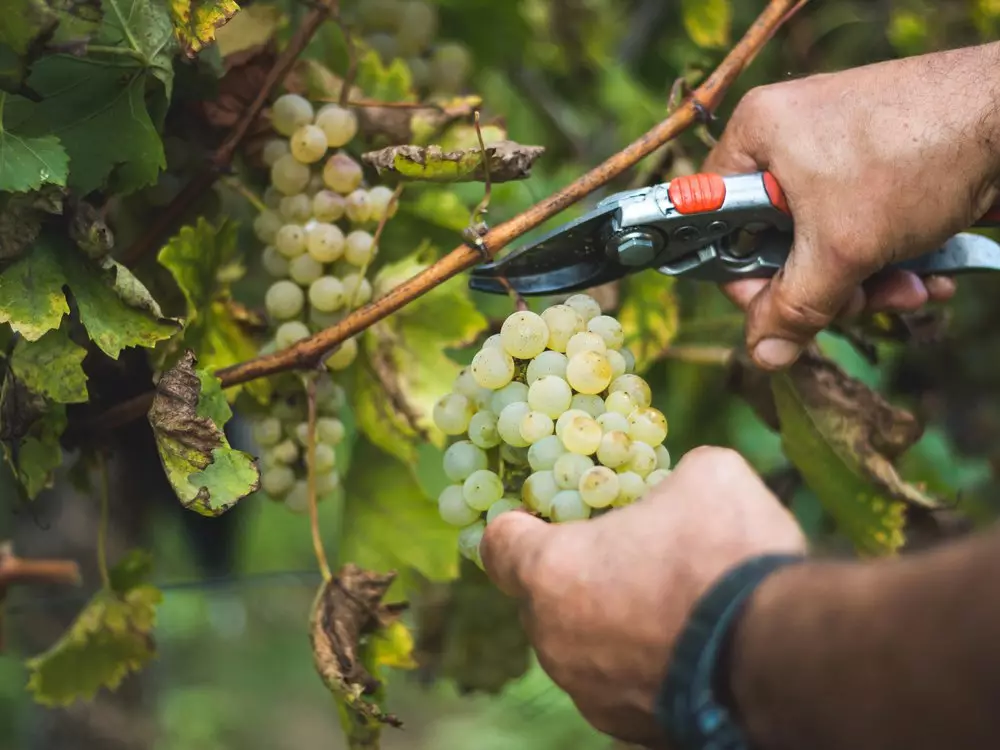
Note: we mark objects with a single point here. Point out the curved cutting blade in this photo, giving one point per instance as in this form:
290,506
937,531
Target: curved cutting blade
569,258
963,253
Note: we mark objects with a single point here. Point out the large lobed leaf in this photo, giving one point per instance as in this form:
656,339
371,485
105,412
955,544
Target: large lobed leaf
188,415
110,638
52,366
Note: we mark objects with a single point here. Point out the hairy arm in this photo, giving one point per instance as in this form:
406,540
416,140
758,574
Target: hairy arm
890,654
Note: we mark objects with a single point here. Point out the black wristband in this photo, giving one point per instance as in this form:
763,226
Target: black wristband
688,707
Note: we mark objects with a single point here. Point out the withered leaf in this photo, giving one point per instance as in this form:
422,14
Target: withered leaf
507,161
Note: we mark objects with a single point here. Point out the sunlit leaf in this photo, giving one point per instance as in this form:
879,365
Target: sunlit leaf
506,161
381,82
31,293
708,22
52,366
110,638
188,415
393,647
649,316
196,21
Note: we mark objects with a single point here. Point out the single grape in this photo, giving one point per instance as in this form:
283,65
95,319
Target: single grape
452,413
662,457
359,248
357,208
493,342
289,176
608,329
357,290
450,66
612,420
536,426
342,174
635,387
582,435
453,508
588,402
538,490
272,197
631,487
546,363
482,488
568,469
319,320
467,386
566,417
266,225
588,372
326,458
542,454
328,206
289,332
296,208
463,458
550,395
416,27
483,429
641,458
330,430
297,500
629,358
569,506
492,368
273,150
585,342
524,334
276,481
290,240
304,270
342,357
469,539
647,425
620,402
380,200
284,300
656,476
302,433
339,125
290,112
563,323
618,364
585,305
325,242
327,483
503,505
513,391
267,432
420,72
308,144
614,449
509,423
385,45
285,452
326,294
330,396
274,262
599,487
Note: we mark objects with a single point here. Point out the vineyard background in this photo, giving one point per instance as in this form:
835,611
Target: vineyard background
582,78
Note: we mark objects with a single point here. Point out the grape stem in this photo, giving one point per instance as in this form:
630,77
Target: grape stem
217,165
309,351
317,539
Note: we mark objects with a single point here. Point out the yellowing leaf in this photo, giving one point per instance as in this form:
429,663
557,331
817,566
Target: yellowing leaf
843,438
708,22
31,293
507,161
649,316
393,647
110,638
253,26
188,414
384,83
52,366
196,21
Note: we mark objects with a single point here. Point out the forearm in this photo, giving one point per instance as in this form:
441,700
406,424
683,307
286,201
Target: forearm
881,655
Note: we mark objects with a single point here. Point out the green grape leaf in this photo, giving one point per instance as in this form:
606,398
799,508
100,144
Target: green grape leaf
843,438
30,430
31,293
390,524
23,22
649,317
52,366
204,262
188,415
405,370
708,22
506,160
196,21
144,27
109,639
440,207
26,163
384,83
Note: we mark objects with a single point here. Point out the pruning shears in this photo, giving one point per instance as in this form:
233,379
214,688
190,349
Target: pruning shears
703,226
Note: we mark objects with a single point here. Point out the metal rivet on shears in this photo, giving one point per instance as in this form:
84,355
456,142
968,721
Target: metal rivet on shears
636,248
686,233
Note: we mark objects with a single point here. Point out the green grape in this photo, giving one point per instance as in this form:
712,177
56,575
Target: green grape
513,391
297,500
463,458
538,490
503,505
546,363
550,395
416,27
359,248
641,458
289,176
566,417
357,289
588,372
618,364
330,396
608,329
612,420
450,66
325,242
290,112
284,300
524,334
327,483
620,402
656,476
385,45
296,208
569,506
599,487
509,424
304,270
267,432
585,342
420,72
276,481
302,433
469,539
290,240
513,456
585,305
635,387
326,294
648,426
662,457
483,429
325,458
380,200
308,144
629,358
453,508
330,430
342,357
328,206
535,426
342,174
569,468
493,342
631,487
563,323
588,402
274,262
290,332
273,150
272,197
467,386
481,489
266,225
542,454
492,368
339,125
285,452
582,435
452,414
357,208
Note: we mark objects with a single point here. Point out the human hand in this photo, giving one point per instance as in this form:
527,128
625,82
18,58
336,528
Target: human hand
879,164
603,600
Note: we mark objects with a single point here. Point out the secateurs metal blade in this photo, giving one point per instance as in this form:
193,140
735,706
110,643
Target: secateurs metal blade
704,226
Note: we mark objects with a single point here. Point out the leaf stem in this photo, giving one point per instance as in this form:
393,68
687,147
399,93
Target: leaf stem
317,539
102,49
393,201
102,528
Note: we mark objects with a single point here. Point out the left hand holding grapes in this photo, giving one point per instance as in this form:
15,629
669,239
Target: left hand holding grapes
603,600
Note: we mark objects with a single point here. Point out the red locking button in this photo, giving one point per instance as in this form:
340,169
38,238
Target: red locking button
697,193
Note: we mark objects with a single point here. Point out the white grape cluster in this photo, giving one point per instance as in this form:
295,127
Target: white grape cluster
318,228
282,439
549,417
407,29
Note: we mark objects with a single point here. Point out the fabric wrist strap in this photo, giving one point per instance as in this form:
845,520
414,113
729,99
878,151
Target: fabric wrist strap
688,708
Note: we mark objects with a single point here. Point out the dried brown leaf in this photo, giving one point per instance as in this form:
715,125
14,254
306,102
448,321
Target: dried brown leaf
506,160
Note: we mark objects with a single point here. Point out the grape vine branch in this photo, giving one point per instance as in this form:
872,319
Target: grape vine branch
307,352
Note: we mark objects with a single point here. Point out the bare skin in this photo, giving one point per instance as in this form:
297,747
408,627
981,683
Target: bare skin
878,164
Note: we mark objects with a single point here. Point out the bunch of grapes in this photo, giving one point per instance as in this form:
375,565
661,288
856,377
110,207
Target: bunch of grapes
283,435
319,223
549,417
407,29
